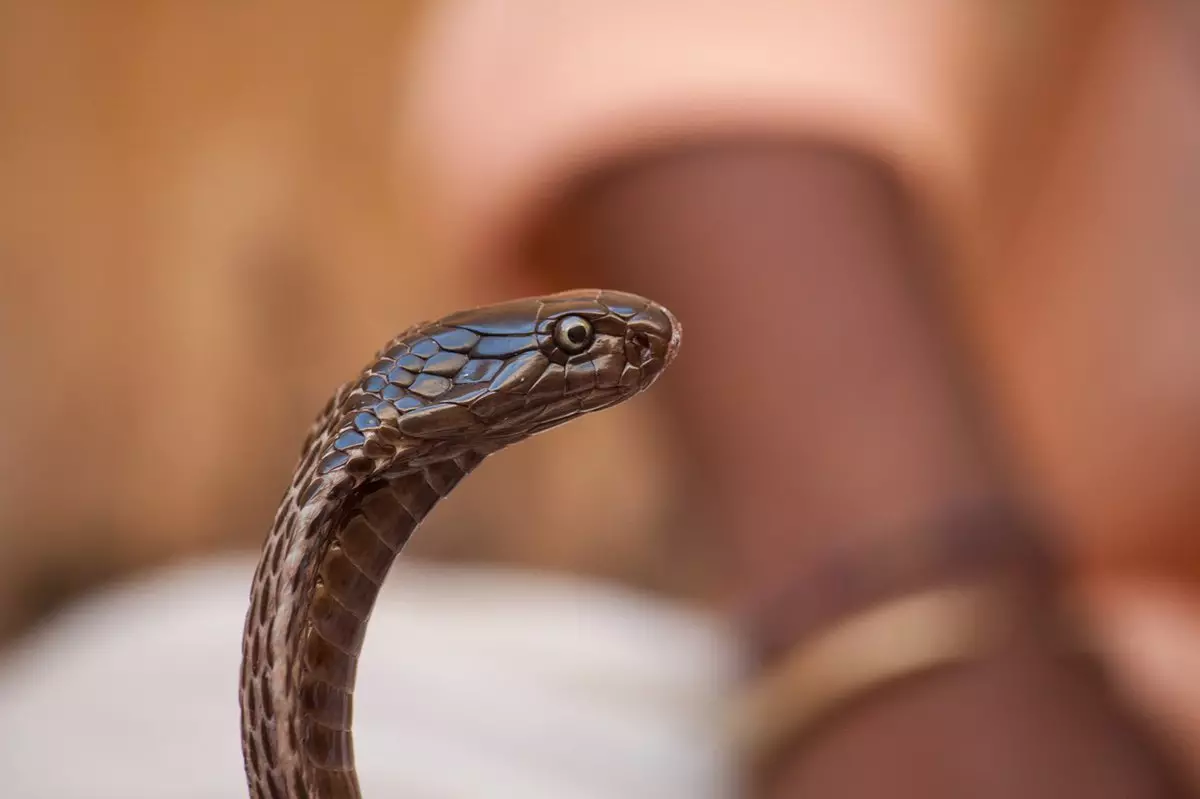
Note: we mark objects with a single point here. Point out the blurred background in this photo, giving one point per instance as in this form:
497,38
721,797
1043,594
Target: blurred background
206,224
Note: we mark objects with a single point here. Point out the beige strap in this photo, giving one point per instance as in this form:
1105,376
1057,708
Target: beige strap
889,642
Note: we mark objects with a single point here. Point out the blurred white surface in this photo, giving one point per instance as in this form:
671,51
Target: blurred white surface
473,684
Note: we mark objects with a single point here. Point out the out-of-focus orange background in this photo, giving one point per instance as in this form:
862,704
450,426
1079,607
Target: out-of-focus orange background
205,225
203,230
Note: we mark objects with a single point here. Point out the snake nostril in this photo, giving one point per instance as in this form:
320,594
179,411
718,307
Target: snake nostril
641,343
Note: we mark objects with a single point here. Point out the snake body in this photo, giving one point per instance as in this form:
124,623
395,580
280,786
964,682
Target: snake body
435,402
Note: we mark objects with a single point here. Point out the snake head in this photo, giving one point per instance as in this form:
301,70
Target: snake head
500,373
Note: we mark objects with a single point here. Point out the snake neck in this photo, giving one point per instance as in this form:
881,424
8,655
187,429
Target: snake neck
388,445
316,585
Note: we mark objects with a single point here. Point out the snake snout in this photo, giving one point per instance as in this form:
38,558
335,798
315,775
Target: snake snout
651,341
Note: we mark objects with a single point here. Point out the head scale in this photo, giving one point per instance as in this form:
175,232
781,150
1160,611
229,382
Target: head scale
498,374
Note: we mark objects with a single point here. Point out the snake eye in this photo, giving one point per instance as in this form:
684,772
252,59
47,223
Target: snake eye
573,334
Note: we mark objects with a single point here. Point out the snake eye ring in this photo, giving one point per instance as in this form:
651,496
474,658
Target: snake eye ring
573,334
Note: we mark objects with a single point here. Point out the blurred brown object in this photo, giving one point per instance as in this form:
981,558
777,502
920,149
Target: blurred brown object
1090,295
1054,146
1089,303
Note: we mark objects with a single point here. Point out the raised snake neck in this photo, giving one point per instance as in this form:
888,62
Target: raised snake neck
435,402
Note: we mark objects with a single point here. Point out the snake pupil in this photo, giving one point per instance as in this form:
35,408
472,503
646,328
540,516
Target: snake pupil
573,334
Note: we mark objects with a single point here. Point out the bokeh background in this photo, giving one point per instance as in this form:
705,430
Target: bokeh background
207,221
204,230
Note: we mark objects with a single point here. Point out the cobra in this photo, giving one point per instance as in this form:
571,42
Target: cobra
434,403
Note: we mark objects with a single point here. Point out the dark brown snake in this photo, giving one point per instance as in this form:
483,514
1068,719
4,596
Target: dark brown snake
435,402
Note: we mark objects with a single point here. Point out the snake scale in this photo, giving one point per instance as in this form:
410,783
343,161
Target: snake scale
436,401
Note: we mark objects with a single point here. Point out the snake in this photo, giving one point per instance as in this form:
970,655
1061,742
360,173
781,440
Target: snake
389,444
